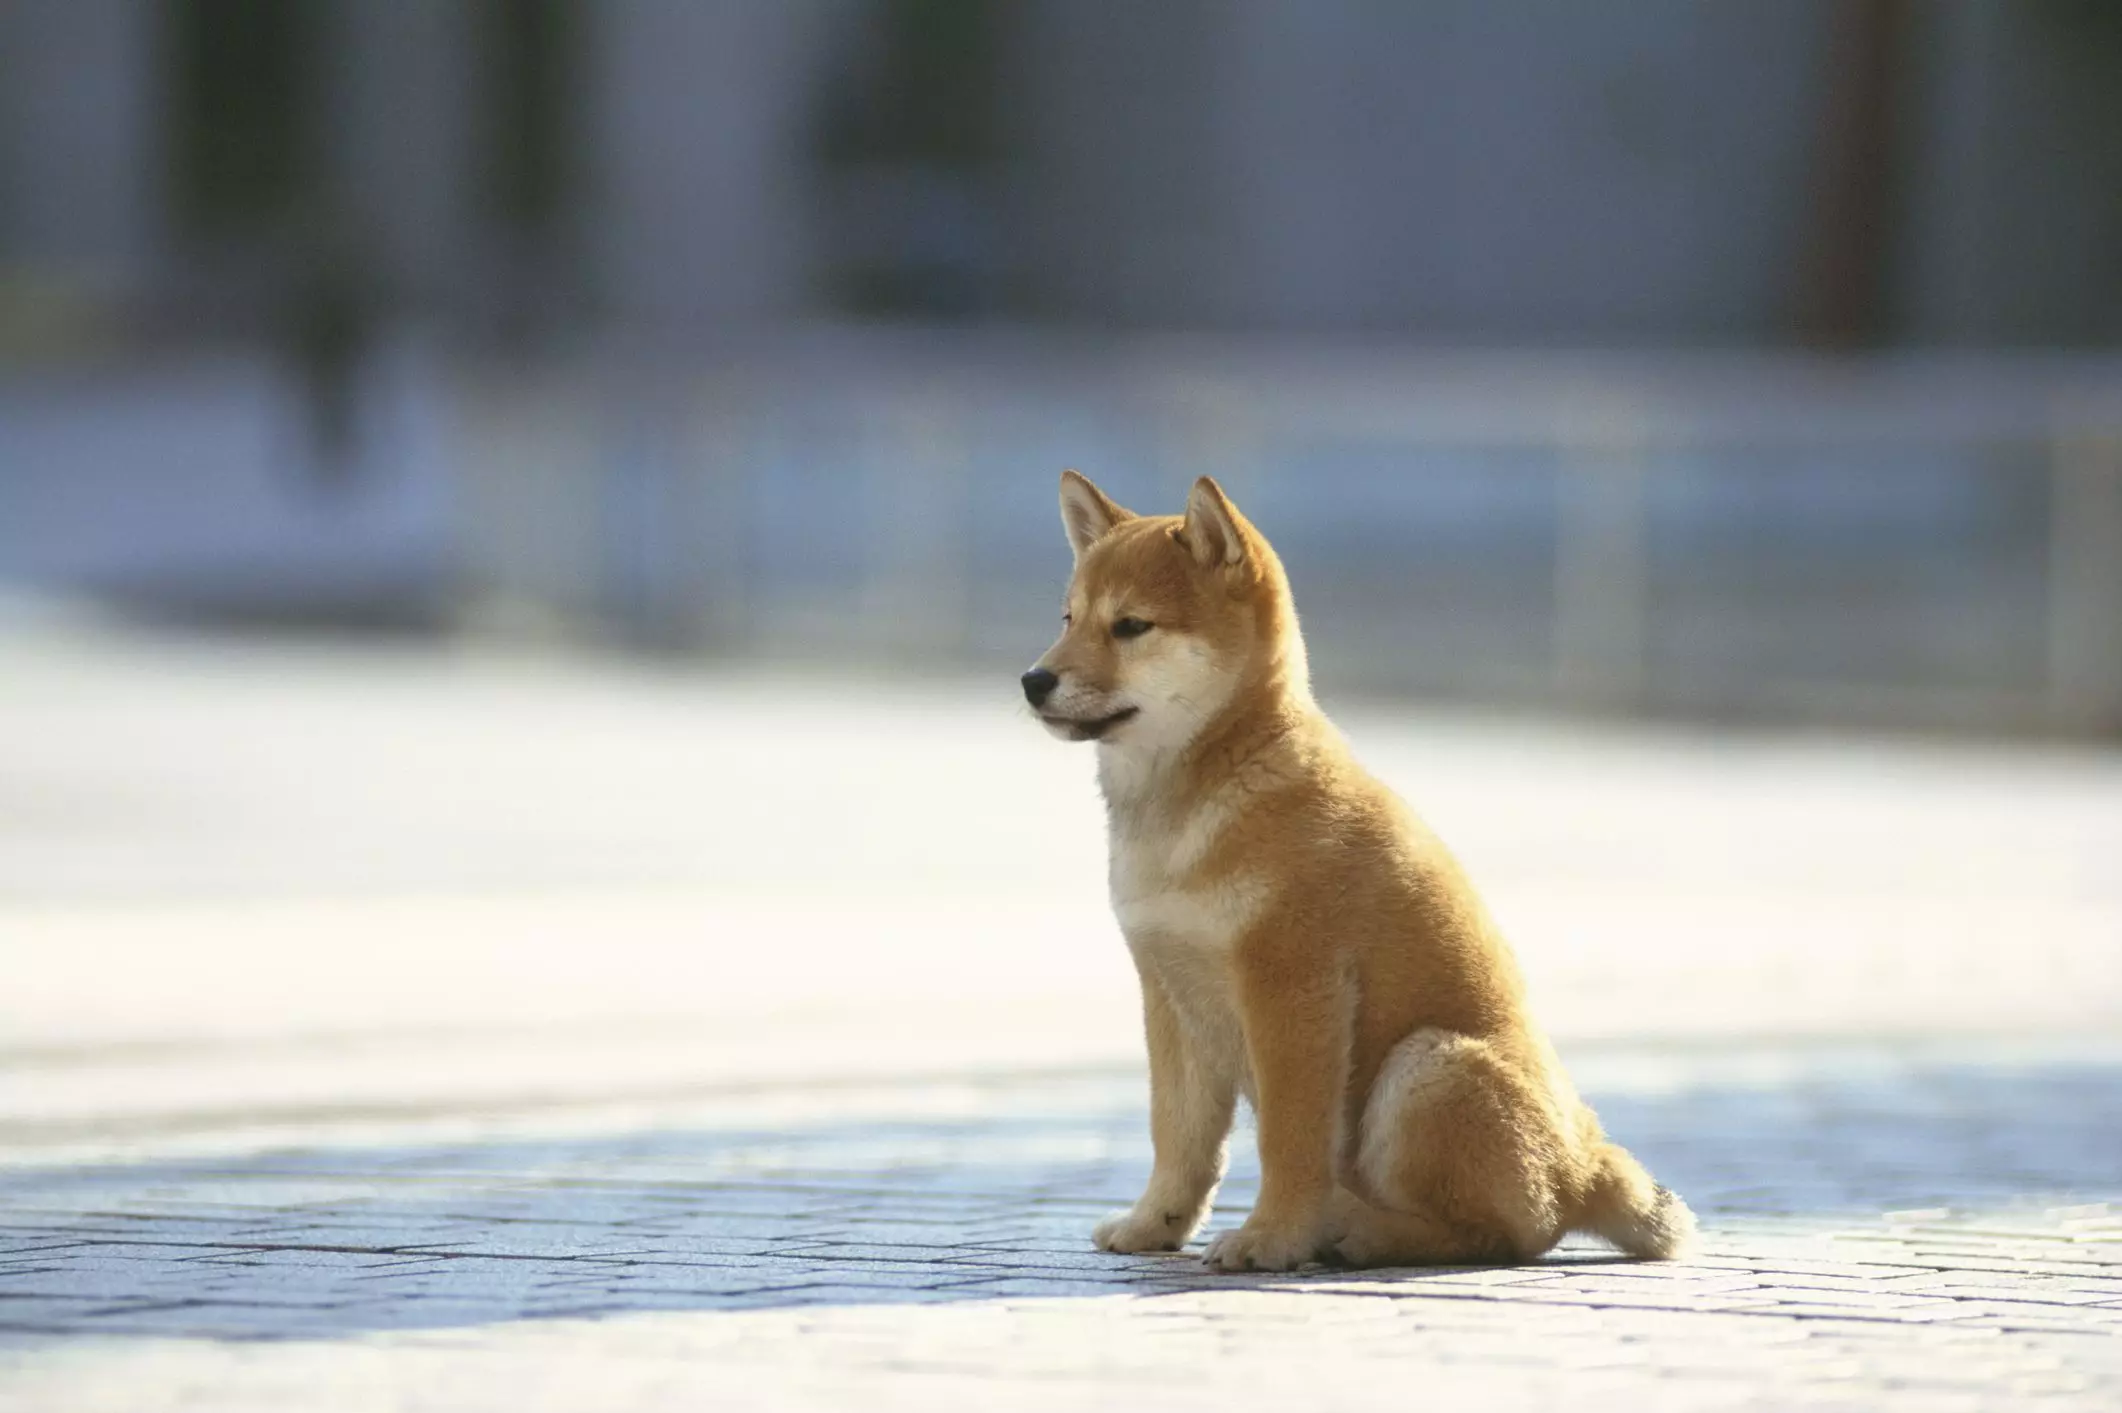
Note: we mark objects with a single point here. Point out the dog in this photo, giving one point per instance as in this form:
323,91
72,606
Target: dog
1303,940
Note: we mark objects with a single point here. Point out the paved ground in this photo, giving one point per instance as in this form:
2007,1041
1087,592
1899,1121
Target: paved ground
937,1257
388,1032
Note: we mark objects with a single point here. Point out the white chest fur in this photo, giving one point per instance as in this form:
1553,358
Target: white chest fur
1184,920
1166,888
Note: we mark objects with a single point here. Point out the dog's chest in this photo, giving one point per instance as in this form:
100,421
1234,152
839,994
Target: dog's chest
1170,890
1184,923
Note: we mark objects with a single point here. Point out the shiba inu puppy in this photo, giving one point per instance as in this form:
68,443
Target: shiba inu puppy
1303,940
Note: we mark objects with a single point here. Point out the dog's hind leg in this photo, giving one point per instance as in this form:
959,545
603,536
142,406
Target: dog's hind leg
1367,1235
1458,1158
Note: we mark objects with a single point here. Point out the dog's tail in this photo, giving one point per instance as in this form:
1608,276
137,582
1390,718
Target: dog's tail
1625,1207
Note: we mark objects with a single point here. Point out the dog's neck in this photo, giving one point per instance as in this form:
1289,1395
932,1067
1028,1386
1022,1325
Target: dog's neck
1145,780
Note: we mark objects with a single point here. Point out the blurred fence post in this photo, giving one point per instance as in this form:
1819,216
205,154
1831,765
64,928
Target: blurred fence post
650,577
1602,583
720,437
525,461
918,589
1208,427
2085,579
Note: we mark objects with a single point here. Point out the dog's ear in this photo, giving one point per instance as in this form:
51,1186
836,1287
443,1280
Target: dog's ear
1214,530
1087,512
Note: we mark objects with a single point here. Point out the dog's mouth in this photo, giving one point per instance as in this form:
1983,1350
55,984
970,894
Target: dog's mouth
1092,729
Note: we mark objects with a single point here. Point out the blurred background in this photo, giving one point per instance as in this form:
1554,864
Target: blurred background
520,521
1750,361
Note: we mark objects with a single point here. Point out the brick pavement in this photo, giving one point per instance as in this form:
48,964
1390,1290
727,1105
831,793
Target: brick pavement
445,1067
1883,1230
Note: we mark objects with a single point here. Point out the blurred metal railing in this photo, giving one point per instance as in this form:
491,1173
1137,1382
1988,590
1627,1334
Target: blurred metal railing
1907,542
2085,576
1910,542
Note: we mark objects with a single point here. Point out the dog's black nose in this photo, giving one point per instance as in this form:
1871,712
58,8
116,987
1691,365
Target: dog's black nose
1039,684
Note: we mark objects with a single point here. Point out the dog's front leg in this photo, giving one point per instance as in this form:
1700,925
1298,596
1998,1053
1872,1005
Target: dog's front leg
1298,1028
1190,1107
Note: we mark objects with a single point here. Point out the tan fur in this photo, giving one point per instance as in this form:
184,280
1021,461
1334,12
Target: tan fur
1304,941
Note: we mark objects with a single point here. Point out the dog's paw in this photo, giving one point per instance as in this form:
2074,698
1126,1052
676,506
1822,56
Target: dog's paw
1357,1250
1136,1230
1257,1248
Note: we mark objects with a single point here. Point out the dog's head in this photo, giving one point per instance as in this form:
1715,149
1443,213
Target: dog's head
1168,620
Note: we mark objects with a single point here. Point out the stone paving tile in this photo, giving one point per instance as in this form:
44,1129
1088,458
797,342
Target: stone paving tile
506,1275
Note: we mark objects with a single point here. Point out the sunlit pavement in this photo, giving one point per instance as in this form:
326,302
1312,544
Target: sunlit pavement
395,1029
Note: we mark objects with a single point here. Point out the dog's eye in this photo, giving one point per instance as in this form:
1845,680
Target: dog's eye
1068,620
1131,628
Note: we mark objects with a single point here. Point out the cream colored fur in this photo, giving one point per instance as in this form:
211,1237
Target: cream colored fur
1303,941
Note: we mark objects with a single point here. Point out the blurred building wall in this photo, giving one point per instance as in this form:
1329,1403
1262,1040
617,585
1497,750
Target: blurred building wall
1666,171
2011,229
1464,171
401,128
81,194
694,127
1126,207
400,310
